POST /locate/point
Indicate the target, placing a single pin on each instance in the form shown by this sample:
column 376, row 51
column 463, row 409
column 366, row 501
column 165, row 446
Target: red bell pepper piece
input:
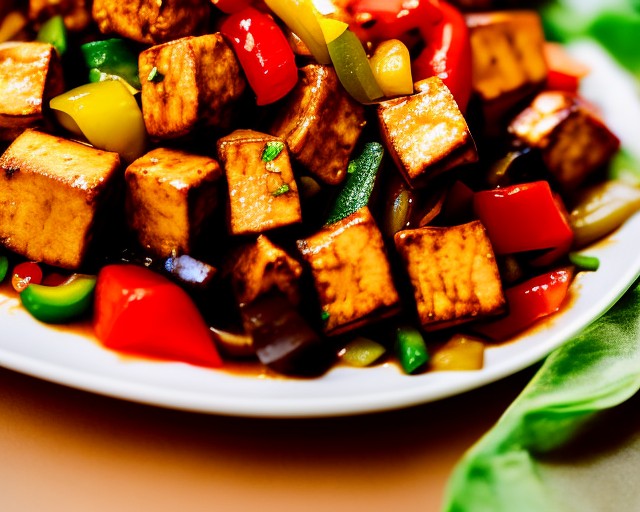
column 442, row 28
column 564, row 72
column 447, row 54
column 529, row 301
column 524, row 217
column 264, row 53
column 143, row 313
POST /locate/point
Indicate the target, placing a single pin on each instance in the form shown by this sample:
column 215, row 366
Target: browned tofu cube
column 321, row 124
column 573, row 139
column 75, row 13
column 52, row 191
column 507, row 57
column 351, row 272
column 189, row 82
column 453, row 272
column 30, row 74
column 260, row 267
column 425, row 133
column 263, row 193
column 170, row 196
column 151, row 21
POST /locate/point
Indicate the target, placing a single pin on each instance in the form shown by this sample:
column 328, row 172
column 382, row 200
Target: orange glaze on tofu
column 151, row 21
column 200, row 82
column 30, row 74
column 170, row 195
column 51, row 193
column 573, row 139
column 263, row 195
column 321, row 124
column 453, row 272
column 261, row 266
column 425, row 133
column 351, row 272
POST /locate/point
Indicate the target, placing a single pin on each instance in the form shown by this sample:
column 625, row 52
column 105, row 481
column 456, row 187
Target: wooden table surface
column 68, row 450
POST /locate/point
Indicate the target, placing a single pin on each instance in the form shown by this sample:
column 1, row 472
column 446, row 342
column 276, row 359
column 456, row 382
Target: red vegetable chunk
column 143, row 313
column 524, row 217
column 529, row 301
column 264, row 54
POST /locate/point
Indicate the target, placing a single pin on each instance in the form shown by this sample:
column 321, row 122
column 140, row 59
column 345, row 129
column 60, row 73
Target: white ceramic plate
column 75, row 359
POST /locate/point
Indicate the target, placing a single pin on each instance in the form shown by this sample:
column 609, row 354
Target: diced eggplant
column 282, row 338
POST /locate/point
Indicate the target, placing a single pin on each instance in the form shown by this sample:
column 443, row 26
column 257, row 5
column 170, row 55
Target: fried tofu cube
column 52, row 194
column 351, row 272
column 75, row 13
column 151, row 21
column 263, row 193
column 262, row 266
column 425, row 133
column 189, row 82
column 30, row 74
column 453, row 273
column 508, row 58
column 170, row 196
column 571, row 136
column 321, row 124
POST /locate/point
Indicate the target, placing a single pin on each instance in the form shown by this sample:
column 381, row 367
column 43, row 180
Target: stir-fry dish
column 297, row 183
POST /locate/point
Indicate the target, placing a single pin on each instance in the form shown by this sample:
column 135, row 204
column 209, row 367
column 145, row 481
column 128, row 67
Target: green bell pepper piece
column 54, row 32
column 111, row 58
column 362, row 173
column 62, row 303
column 411, row 349
column 353, row 69
column 4, row 267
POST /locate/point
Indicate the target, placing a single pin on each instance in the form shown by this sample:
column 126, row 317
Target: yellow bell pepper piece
column 332, row 29
column 106, row 114
column 301, row 17
column 391, row 65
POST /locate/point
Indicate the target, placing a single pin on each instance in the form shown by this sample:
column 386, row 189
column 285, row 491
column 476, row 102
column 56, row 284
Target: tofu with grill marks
column 151, row 21
column 351, row 272
column 508, row 62
column 189, row 82
column 171, row 195
column 574, row 141
column 321, row 124
column 30, row 74
column 52, row 194
column 425, row 133
column 263, row 194
column 75, row 13
column 453, row 273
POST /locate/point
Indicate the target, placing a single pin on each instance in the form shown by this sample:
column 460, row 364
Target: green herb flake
column 283, row 189
column 352, row 167
column 271, row 150
column 324, row 316
column 155, row 75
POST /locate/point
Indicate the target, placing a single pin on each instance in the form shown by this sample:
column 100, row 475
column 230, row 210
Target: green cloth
column 593, row 372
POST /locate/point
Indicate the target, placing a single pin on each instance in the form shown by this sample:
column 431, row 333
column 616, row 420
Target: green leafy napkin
column 595, row 371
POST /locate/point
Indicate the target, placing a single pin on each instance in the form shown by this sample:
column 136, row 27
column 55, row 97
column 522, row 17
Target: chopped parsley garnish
column 271, row 150
column 352, row 167
column 155, row 75
column 325, row 316
column 283, row 189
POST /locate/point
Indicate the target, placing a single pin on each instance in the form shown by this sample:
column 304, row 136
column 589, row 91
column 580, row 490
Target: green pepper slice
column 362, row 173
column 54, row 32
column 411, row 349
column 62, row 303
column 110, row 59
column 352, row 66
column 4, row 267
